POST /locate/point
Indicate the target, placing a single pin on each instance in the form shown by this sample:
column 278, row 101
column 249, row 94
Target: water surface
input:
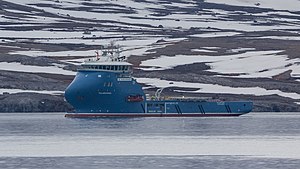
column 255, row 140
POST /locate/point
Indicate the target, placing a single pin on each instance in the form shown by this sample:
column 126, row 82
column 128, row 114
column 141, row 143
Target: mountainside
column 228, row 50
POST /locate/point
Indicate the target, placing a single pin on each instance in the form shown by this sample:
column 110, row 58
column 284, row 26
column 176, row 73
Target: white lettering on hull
column 124, row 79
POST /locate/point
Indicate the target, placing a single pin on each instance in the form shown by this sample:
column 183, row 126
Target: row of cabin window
column 107, row 67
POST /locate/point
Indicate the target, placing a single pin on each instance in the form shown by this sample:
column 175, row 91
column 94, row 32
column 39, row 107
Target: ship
column 104, row 86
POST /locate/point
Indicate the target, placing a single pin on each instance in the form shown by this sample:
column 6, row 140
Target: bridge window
column 123, row 67
column 107, row 67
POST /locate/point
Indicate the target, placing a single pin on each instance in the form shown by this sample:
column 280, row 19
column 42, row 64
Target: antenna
column 97, row 54
column 158, row 92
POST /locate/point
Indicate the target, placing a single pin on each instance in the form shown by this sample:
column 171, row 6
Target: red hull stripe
column 86, row 115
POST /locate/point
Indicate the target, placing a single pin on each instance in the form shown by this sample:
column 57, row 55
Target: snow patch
column 250, row 64
column 34, row 69
column 214, row 88
column 203, row 50
column 292, row 5
column 13, row 91
column 215, row 34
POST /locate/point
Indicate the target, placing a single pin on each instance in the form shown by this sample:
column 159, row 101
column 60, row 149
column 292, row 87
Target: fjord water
column 255, row 140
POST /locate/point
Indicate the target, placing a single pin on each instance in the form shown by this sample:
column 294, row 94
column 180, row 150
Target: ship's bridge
column 106, row 65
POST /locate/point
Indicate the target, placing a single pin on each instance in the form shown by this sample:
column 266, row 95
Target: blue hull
column 107, row 94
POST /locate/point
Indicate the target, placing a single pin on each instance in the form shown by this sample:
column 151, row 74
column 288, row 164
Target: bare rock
column 283, row 76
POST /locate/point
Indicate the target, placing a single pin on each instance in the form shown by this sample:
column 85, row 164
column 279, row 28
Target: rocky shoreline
column 33, row 102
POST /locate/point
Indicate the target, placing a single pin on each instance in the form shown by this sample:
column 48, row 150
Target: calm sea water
column 255, row 140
